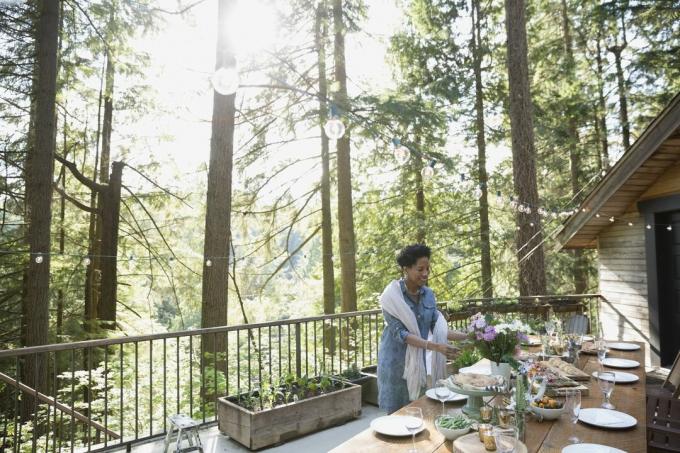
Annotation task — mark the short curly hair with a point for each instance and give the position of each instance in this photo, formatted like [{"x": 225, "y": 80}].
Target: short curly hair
[{"x": 411, "y": 253}]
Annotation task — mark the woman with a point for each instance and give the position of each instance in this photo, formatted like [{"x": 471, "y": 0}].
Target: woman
[{"x": 410, "y": 314}]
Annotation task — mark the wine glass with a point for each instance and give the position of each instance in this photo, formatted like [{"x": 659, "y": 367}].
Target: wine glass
[
  {"x": 601, "y": 346},
  {"x": 550, "y": 328},
  {"x": 606, "y": 380},
  {"x": 573, "y": 405},
  {"x": 413, "y": 422},
  {"x": 506, "y": 439},
  {"x": 442, "y": 394}
]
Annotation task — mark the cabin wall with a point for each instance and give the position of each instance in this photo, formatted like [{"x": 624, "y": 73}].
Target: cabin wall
[{"x": 624, "y": 312}]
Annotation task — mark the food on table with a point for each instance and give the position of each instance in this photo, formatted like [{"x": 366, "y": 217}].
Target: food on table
[
  {"x": 548, "y": 403},
  {"x": 565, "y": 369},
  {"x": 457, "y": 421},
  {"x": 475, "y": 381}
]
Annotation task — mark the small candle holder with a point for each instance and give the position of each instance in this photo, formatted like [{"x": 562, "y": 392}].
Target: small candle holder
[
  {"x": 505, "y": 417},
  {"x": 485, "y": 430},
  {"x": 486, "y": 413}
]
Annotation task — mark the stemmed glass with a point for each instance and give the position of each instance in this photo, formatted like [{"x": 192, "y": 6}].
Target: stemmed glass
[
  {"x": 413, "y": 422},
  {"x": 601, "y": 346},
  {"x": 442, "y": 394},
  {"x": 573, "y": 405},
  {"x": 606, "y": 380},
  {"x": 506, "y": 439}
]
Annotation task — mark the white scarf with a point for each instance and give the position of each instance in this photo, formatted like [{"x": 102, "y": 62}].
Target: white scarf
[{"x": 392, "y": 302}]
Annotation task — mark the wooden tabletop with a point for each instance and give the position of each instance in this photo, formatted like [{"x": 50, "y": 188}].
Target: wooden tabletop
[{"x": 541, "y": 437}]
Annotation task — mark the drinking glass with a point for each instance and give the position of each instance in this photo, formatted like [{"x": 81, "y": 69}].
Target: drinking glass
[
  {"x": 550, "y": 328},
  {"x": 442, "y": 394},
  {"x": 506, "y": 439},
  {"x": 601, "y": 346},
  {"x": 573, "y": 406},
  {"x": 413, "y": 422},
  {"x": 606, "y": 380}
]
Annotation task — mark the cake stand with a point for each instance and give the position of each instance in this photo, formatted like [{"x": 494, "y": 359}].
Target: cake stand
[{"x": 475, "y": 398}]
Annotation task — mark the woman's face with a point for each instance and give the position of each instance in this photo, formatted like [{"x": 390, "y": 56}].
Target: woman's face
[{"x": 419, "y": 272}]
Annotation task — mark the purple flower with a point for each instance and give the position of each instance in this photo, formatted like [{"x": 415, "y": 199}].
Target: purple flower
[
  {"x": 489, "y": 336},
  {"x": 522, "y": 337},
  {"x": 480, "y": 323},
  {"x": 479, "y": 335}
]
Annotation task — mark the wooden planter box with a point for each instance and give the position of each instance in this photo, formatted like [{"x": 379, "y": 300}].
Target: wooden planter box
[{"x": 261, "y": 429}]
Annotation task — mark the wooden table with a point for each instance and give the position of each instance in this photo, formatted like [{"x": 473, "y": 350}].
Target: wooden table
[{"x": 546, "y": 436}]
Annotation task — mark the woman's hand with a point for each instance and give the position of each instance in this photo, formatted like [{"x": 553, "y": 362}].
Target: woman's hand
[{"x": 451, "y": 352}]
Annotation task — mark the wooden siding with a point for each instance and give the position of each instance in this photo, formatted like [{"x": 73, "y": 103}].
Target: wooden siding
[{"x": 623, "y": 282}]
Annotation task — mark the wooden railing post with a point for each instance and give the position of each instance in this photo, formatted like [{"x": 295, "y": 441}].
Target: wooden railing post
[{"x": 298, "y": 350}]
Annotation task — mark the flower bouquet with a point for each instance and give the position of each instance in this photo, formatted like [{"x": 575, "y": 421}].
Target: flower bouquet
[{"x": 497, "y": 341}]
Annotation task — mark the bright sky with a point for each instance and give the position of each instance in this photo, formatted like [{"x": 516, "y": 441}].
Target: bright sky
[{"x": 182, "y": 61}]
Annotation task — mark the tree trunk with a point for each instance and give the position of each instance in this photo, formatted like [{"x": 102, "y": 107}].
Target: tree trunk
[
  {"x": 39, "y": 176},
  {"x": 602, "y": 106},
  {"x": 109, "y": 239},
  {"x": 345, "y": 216},
  {"x": 218, "y": 203},
  {"x": 420, "y": 199},
  {"x": 321, "y": 32},
  {"x": 485, "y": 241},
  {"x": 623, "y": 98},
  {"x": 529, "y": 238}
]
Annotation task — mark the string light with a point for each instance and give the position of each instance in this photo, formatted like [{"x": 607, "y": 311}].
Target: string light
[
  {"x": 611, "y": 219},
  {"x": 649, "y": 227},
  {"x": 630, "y": 223},
  {"x": 428, "y": 171},
  {"x": 597, "y": 215},
  {"x": 401, "y": 153},
  {"x": 225, "y": 80},
  {"x": 478, "y": 192},
  {"x": 208, "y": 263},
  {"x": 334, "y": 128},
  {"x": 531, "y": 224},
  {"x": 669, "y": 228},
  {"x": 39, "y": 259},
  {"x": 86, "y": 261}
]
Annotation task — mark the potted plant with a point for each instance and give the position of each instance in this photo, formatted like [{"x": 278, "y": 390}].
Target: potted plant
[
  {"x": 497, "y": 341},
  {"x": 297, "y": 406},
  {"x": 367, "y": 380}
]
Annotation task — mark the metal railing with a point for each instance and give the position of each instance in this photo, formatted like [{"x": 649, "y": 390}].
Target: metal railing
[{"x": 110, "y": 393}]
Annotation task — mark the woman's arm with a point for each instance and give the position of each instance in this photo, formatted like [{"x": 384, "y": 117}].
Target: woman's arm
[{"x": 451, "y": 352}]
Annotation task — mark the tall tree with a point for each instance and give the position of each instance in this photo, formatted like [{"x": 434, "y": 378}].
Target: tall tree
[
  {"x": 39, "y": 176},
  {"x": 529, "y": 238},
  {"x": 321, "y": 34},
  {"x": 617, "y": 47},
  {"x": 344, "y": 164},
  {"x": 485, "y": 241},
  {"x": 218, "y": 202}
]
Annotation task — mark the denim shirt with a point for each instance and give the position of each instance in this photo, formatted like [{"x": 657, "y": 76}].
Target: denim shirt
[{"x": 392, "y": 390}]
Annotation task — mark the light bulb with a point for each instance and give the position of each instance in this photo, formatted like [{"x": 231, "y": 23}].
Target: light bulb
[
  {"x": 597, "y": 215},
  {"x": 649, "y": 227},
  {"x": 225, "y": 80},
  {"x": 527, "y": 209},
  {"x": 531, "y": 224},
  {"x": 334, "y": 128},
  {"x": 86, "y": 261},
  {"x": 208, "y": 263},
  {"x": 39, "y": 259},
  {"x": 603, "y": 173},
  {"x": 541, "y": 212},
  {"x": 669, "y": 228},
  {"x": 611, "y": 219},
  {"x": 478, "y": 192},
  {"x": 427, "y": 172},
  {"x": 402, "y": 154},
  {"x": 630, "y": 223}
]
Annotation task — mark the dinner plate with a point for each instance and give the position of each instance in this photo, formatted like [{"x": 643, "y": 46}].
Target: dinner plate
[
  {"x": 621, "y": 377},
  {"x": 606, "y": 418},
  {"x": 392, "y": 425},
  {"x": 590, "y": 448},
  {"x": 621, "y": 346},
  {"x": 614, "y": 362},
  {"x": 453, "y": 396}
]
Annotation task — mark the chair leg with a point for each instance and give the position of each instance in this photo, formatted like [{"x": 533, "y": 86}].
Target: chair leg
[
  {"x": 178, "y": 446},
  {"x": 168, "y": 438}
]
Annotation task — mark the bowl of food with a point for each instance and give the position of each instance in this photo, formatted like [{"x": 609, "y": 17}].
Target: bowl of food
[
  {"x": 547, "y": 408},
  {"x": 453, "y": 426}
]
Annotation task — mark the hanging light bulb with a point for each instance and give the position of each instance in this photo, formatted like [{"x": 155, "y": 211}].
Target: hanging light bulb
[
  {"x": 597, "y": 215},
  {"x": 513, "y": 203},
  {"x": 527, "y": 209},
  {"x": 86, "y": 261},
  {"x": 428, "y": 171},
  {"x": 603, "y": 173},
  {"x": 39, "y": 259},
  {"x": 208, "y": 263},
  {"x": 520, "y": 208},
  {"x": 531, "y": 224},
  {"x": 649, "y": 227},
  {"x": 630, "y": 223},
  {"x": 611, "y": 219},
  {"x": 401, "y": 153},
  {"x": 334, "y": 128},
  {"x": 541, "y": 212},
  {"x": 669, "y": 228},
  {"x": 225, "y": 80},
  {"x": 478, "y": 192}
]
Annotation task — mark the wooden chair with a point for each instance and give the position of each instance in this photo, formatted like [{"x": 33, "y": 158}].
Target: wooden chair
[
  {"x": 663, "y": 421},
  {"x": 672, "y": 382},
  {"x": 578, "y": 324}
]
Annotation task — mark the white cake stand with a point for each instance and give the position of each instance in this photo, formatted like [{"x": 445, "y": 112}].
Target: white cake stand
[{"x": 475, "y": 399}]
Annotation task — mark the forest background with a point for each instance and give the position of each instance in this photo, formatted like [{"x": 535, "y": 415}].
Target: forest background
[{"x": 132, "y": 84}]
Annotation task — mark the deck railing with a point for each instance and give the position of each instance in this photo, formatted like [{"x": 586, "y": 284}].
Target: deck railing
[{"x": 111, "y": 393}]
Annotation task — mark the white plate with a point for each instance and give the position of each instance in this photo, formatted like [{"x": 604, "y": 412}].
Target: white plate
[
  {"x": 613, "y": 362},
  {"x": 620, "y": 346},
  {"x": 453, "y": 396},
  {"x": 621, "y": 377},
  {"x": 590, "y": 448},
  {"x": 605, "y": 418},
  {"x": 392, "y": 425}
]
